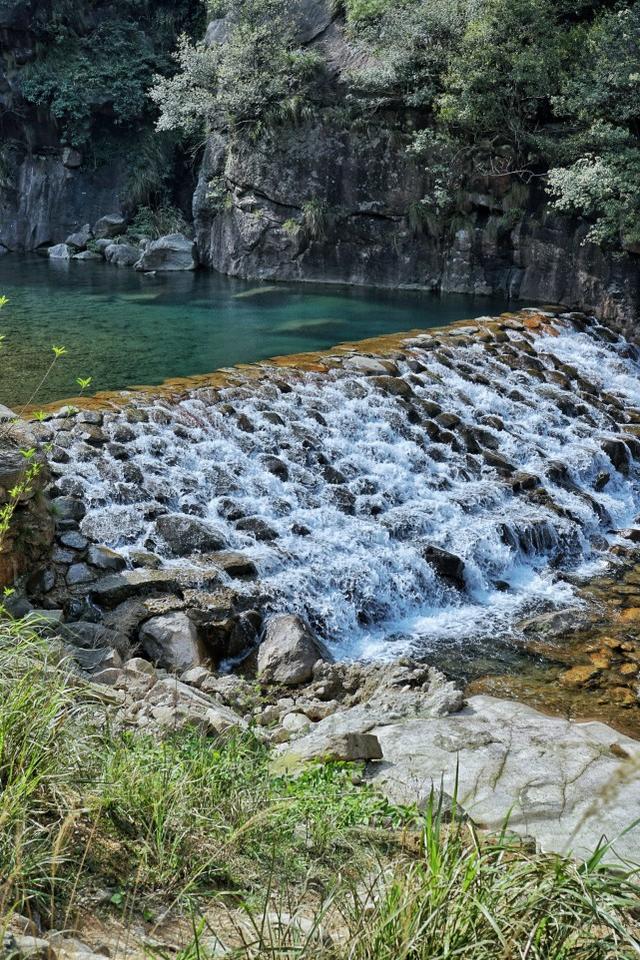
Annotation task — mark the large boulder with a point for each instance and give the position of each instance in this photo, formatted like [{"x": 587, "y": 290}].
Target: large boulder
[
  {"x": 60, "y": 251},
  {"x": 111, "y": 225},
  {"x": 288, "y": 651},
  {"x": 173, "y": 252},
  {"x": 567, "y": 784},
  {"x": 122, "y": 254},
  {"x": 171, "y": 641},
  {"x": 185, "y": 535}
]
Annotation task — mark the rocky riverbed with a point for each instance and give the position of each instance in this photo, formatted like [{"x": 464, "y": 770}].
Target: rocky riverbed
[{"x": 461, "y": 500}]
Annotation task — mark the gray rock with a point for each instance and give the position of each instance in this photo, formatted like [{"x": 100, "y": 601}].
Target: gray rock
[
  {"x": 171, "y": 641},
  {"x": 102, "y": 244},
  {"x": 173, "y": 252},
  {"x": 68, "y": 508},
  {"x": 141, "y": 558},
  {"x": 114, "y": 589},
  {"x": 171, "y": 705},
  {"x": 105, "y": 559},
  {"x": 80, "y": 573},
  {"x": 87, "y": 255},
  {"x": 121, "y": 254},
  {"x": 80, "y": 238},
  {"x": 447, "y": 565},
  {"x": 73, "y": 539},
  {"x": 371, "y": 366},
  {"x": 185, "y": 535},
  {"x": 60, "y": 251},
  {"x": 345, "y": 747},
  {"x": 23, "y": 947},
  {"x": 111, "y": 225},
  {"x": 235, "y": 564},
  {"x": 71, "y": 158},
  {"x": 565, "y": 783},
  {"x": 289, "y": 651}
]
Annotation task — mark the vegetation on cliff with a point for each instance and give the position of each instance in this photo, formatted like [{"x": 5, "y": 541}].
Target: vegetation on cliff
[
  {"x": 92, "y": 69},
  {"x": 528, "y": 90}
]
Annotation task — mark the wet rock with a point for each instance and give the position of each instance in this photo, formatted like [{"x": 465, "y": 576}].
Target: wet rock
[
  {"x": 289, "y": 651},
  {"x": 235, "y": 564},
  {"x": 60, "y": 251},
  {"x": 618, "y": 453},
  {"x": 185, "y": 535},
  {"x": 171, "y": 641},
  {"x": 73, "y": 539},
  {"x": 579, "y": 676},
  {"x": 557, "y": 622},
  {"x": 141, "y": 558},
  {"x": 68, "y": 508},
  {"x": 395, "y": 386},
  {"x": 277, "y": 467},
  {"x": 521, "y": 482},
  {"x": 257, "y": 527},
  {"x": 447, "y": 565},
  {"x": 371, "y": 366},
  {"x": 114, "y": 589}
]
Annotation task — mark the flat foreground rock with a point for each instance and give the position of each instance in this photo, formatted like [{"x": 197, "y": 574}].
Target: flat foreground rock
[{"x": 567, "y": 784}]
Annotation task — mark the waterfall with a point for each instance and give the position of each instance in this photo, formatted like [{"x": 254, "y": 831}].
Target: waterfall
[{"x": 441, "y": 494}]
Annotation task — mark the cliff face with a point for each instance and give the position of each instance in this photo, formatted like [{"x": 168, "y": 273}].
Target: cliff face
[
  {"x": 251, "y": 212},
  {"x": 366, "y": 185},
  {"x": 46, "y": 190}
]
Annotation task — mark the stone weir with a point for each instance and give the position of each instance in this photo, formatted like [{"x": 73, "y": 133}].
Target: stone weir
[{"x": 465, "y": 496}]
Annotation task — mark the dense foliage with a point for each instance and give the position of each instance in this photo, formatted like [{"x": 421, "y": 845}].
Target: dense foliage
[
  {"x": 94, "y": 65},
  {"x": 532, "y": 90}
]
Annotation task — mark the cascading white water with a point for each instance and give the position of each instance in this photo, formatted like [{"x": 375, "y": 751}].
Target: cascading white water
[{"x": 364, "y": 483}]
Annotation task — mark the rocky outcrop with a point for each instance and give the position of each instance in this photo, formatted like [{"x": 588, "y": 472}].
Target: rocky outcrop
[
  {"x": 170, "y": 253},
  {"x": 29, "y": 536},
  {"x": 371, "y": 229}
]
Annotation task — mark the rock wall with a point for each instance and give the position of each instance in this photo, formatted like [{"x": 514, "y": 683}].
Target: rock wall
[
  {"x": 46, "y": 190},
  {"x": 367, "y": 184}
]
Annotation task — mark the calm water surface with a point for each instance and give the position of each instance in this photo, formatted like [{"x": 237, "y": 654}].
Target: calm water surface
[{"x": 123, "y": 329}]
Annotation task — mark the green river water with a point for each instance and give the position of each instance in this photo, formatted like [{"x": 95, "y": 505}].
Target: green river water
[{"x": 122, "y": 328}]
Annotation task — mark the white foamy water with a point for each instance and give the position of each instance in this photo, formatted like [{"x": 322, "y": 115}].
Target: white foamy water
[{"x": 365, "y": 485}]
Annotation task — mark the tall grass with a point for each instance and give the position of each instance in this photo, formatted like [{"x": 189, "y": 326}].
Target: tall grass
[{"x": 314, "y": 867}]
